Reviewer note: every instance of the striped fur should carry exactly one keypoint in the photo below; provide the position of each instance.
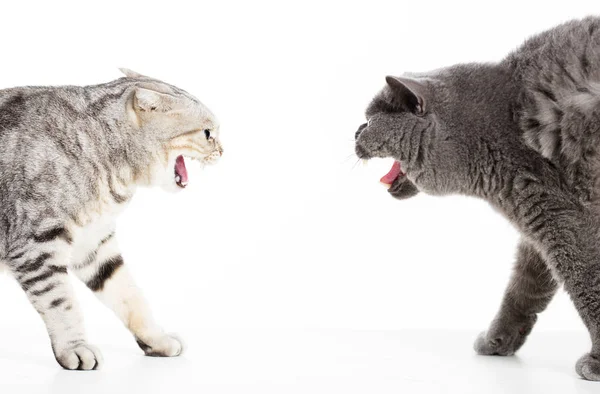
(70, 160)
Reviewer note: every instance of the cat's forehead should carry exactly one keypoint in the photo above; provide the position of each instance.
(180, 92)
(194, 101)
(381, 103)
(163, 87)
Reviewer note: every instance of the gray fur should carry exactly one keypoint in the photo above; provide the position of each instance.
(524, 135)
(70, 159)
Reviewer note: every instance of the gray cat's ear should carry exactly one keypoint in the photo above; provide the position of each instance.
(147, 100)
(130, 74)
(411, 93)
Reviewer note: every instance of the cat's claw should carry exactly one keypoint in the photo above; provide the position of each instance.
(588, 367)
(82, 357)
(164, 346)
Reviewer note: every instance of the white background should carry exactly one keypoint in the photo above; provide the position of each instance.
(286, 232)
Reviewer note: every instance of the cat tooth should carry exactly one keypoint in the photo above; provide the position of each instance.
(177, 179)
(184, 183)
(365, 161)
(387, 185)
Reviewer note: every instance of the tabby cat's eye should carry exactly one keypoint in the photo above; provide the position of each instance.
(207, 133)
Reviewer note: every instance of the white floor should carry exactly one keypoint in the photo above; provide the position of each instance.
(294, 361)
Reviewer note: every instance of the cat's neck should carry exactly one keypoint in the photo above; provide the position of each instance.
(477, 96)
(126, 148)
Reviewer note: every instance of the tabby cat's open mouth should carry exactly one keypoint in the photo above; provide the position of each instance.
(394, 173)
(181, 176)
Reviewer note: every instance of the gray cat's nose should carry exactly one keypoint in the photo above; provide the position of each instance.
(361, 152)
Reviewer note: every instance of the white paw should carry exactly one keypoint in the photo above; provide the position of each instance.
(81, 357)
(163, 346)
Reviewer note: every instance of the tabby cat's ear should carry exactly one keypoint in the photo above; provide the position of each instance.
(130, 74)
(147, 100)
(409, 93)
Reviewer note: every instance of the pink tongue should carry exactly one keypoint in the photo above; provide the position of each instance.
(392, 175)
(180, 168)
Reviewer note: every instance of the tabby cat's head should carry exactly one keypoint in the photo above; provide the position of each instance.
(181, 126)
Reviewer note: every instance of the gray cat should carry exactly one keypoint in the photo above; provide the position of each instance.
(524, 135)
(70, 160)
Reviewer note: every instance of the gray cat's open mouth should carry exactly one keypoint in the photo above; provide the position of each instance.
(181, 176)
(393, 174)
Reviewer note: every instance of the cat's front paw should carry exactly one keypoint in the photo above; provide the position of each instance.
(162, 346)
(498, 344)
(82, 357)
(588, 367)
(504, 337)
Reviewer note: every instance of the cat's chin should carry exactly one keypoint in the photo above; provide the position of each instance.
(403, 188)
(398, 184)
(171, 187)
(173, 178)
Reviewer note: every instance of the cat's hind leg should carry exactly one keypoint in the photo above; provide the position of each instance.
(106, 275)
(529, 292)
(40, 267)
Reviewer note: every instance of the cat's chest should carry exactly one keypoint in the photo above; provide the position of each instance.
(86, 238)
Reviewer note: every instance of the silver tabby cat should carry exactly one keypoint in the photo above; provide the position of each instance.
(70, 160)
(523, 134)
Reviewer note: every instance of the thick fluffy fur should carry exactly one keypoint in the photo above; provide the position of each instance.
(523, 134)
(70, 160)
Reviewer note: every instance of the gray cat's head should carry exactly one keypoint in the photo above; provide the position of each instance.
(178, 124)
(402, 108)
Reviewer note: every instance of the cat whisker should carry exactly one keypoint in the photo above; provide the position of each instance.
(357, 162)
(350, 156)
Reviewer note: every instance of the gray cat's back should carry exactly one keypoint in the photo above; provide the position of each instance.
(558, 72)
(565, 55)
(557, 69)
